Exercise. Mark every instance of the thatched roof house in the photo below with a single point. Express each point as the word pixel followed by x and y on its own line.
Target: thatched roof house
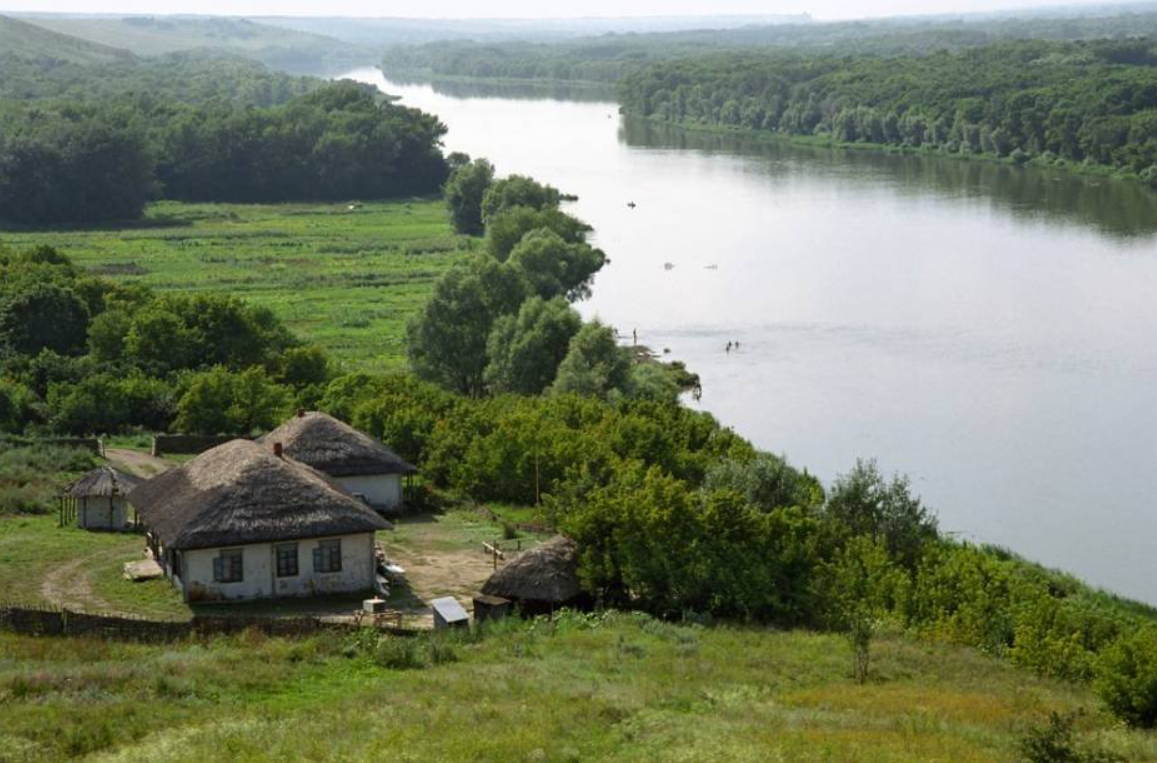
pixel 103 482
pixel 220 523
pixel 97 500
pixel 356 461
pixel 540 580
pixel 334 447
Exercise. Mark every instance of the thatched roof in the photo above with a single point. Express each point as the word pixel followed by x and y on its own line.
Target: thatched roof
pixel 103 482
pixel 546 573
pixel 335 447
pixel 240 493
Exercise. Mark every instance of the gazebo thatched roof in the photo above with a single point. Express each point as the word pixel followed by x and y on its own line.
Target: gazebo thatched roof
pixel 334 447
pixel 240 493
pixel 103 482
pixel 547 573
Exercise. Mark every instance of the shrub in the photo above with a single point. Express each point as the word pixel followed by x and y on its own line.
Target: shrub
pixel 1127 677
pixel 398 653
pixel 1055 742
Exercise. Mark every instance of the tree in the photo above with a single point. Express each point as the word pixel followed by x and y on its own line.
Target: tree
pixel 517 191
pixel 204 408
pixel 506 229
pixel 766 480
pixel 554 267
pixel 257 403
pixel 301 367
pixel 446 341
pixel 44 317
pixel 159 342
pixel 863 503
pixel 107 333
pixel 1127 677
pixel 464 193
pixel 524 350
pixel 594 364
pixel 95 405
pixel 652 381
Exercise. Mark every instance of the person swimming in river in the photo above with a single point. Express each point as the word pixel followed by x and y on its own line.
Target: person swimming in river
pixel 729 346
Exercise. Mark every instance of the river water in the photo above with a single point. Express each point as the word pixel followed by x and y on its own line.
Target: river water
pixel 987 330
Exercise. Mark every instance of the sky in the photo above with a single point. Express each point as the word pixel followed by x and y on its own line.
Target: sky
pixel 821 9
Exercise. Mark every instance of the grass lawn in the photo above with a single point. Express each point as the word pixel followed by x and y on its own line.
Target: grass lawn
pixel 619 688
pixel 345 279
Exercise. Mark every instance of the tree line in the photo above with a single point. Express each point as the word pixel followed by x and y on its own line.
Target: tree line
pixel 92 162
pixel 84 355
pixel 502 321
pixel 1091 103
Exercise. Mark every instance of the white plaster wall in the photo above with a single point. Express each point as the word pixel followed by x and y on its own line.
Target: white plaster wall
pixel 93 514
pixel 259 568
pixel 382 490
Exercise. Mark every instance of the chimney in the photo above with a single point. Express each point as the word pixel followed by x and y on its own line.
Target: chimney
pixel 301 413
pixel 277 450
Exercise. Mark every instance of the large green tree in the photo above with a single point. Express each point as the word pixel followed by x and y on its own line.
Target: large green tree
pixel 44 316
pixel 554 267
pixel 517 191
pixel 464 193
pixel 446 341
pixel 595 364
pixel 525 350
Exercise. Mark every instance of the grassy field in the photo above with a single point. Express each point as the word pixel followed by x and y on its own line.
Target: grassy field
pixel 345 279
pixel 616 688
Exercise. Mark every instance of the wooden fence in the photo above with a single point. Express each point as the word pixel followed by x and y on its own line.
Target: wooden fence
pixel 186 443
pixel 43 620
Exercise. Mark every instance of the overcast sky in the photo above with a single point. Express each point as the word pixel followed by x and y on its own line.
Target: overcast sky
pixel 528 8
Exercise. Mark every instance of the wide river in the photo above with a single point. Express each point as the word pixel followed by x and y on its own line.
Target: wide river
pixel 989 331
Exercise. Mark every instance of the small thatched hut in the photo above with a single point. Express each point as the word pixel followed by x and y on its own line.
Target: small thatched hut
pixel 97 501
pixel 243 522
pixel 540 580
pixel 357 462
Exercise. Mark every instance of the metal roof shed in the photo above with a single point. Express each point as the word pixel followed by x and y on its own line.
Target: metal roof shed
pixel 448 613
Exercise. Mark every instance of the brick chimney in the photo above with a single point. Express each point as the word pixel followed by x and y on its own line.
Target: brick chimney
pixel 301 413
pixel 277 450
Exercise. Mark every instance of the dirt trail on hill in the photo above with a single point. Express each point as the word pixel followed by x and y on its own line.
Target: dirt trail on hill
pixel 140 464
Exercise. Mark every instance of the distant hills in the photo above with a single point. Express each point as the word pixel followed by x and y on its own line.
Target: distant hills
pixel 33 41
pixel 281 48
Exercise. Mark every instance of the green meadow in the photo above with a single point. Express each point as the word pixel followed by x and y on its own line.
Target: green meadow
pixel 345 278
pixel 616 687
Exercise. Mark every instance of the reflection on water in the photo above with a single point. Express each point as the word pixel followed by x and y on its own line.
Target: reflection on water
pixel 986 329
pixel 531 90
pixel 1115 208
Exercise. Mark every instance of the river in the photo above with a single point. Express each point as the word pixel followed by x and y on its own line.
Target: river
pixel 986 330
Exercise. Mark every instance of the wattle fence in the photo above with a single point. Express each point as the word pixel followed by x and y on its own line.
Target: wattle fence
pixel 44 620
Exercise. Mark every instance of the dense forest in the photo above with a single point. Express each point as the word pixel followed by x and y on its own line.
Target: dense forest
pixel 93 161
pixel 610 57
pixel 1093 103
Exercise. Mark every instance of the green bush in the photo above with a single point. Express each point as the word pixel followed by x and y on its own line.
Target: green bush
pixel 1127 677
pixel 1056 742
pixel 399 653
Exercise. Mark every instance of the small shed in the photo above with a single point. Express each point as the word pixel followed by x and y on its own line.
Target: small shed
pixel 448 613
pixel 97 501
pixel 490 608
pixel 541 580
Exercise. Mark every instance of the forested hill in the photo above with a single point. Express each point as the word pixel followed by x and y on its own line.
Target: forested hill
pixel 1084 102
pixel 608 58
pixel 20 38
pixel 285 49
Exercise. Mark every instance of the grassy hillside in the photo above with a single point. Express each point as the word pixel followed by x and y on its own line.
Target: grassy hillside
pixel 615 688
pixel 346 279
pixel 152 36
pixel 26 40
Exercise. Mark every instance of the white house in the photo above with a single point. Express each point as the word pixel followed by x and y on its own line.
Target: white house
pixel 98 500
pixel 243 522
pixel 359 463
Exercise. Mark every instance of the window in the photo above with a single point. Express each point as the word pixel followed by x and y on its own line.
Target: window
pixel 287 560
pixel 227 567
pixel 327 556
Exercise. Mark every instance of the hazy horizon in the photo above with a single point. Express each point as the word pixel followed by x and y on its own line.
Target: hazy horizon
pixel 528 9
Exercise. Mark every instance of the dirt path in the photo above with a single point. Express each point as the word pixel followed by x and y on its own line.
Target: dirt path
pixel 70 583
pixel 135 462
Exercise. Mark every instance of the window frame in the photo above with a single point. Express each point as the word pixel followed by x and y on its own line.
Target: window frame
pixel 278 560
pixel 327 557
pixel 234 558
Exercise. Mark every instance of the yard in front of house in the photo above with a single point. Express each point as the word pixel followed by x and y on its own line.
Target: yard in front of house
pixel 43 564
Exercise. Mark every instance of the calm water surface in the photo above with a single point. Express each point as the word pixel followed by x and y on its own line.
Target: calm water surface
pixel 986 330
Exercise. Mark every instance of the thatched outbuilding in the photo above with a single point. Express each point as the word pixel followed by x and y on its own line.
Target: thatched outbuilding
pixel 241 522
pixel 97 501
pixel 541 580
pixel 359 463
